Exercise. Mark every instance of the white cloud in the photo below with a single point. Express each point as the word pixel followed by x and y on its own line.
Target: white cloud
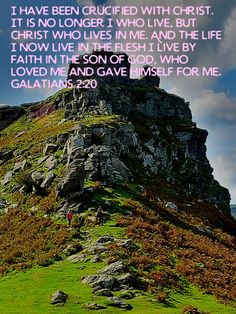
pixel 227 46
pixel 224 171
pixel 214 105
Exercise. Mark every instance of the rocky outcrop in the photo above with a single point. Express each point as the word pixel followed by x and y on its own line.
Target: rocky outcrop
pixel 59 297
pixel 135 96
pixel 154 131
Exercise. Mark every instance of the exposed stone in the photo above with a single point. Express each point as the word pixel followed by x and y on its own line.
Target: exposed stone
pixel 128 295
pixel 77 258
pixel 48 179
pixel 96 259
pixel 113 269
pixel 105 239
pixel 20 166
pixel 51 163
pixel 59 297
pixel 95 306
pixel 73 180
pixel 104 293
pixel 171 206
pixel 18 152
pixel 117 302
pixel 62 138
pixel 95 248
pixel 127 243
pixel 102 281
pixel 37 177
pixel 63 210
pixel 125 279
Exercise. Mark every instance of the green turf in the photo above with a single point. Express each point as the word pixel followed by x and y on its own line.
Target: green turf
pixel 29 293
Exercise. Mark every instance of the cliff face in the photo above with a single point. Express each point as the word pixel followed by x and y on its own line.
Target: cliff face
pixel 156 131
pixel 120 131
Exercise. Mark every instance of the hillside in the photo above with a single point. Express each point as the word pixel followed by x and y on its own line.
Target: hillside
pixel 167 237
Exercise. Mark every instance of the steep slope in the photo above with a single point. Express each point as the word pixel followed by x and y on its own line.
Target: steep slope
pixel 133 149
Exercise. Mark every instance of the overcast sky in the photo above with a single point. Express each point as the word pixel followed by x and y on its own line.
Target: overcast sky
pixel 213 100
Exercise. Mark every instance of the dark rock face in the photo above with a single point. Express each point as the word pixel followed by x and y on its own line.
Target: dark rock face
pixel 162 138
pixel 8 115
pixel 136 96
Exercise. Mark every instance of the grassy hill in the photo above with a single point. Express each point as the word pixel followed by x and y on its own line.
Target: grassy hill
pixel 178 249
pixel 29 292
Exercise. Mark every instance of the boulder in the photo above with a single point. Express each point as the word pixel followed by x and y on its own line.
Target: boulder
pixel 113 269
pixel 104 293
pixel 125 279
pixel 59 297
pixel 76 258
pixel 119 303
pixel 94 306
pixel 51 163
pixel 101 281
pixel 74 142
pixel 127 243
pixel 37 177
pixel 95 248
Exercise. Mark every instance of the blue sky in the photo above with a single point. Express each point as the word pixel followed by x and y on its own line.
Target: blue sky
pixel 213 101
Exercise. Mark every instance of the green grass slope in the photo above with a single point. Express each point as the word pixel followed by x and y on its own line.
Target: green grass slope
pixel 29 292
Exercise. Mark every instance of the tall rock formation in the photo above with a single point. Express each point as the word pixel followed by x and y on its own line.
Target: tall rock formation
pixel 122 130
